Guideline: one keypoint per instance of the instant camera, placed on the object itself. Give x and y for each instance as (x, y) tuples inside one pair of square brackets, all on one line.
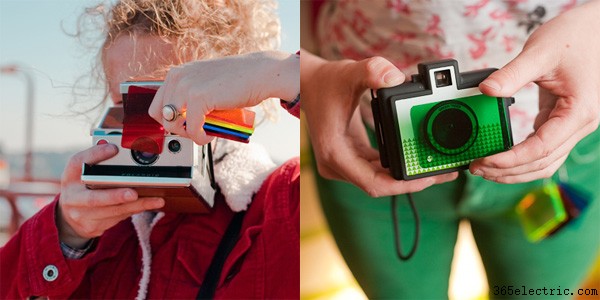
[(153, 162), (439, 121)]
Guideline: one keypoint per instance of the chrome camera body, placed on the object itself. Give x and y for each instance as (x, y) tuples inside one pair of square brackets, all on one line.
[(181, 172)]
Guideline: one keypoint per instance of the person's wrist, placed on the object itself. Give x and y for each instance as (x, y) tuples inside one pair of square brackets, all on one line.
[(66, 233), (285, 73)]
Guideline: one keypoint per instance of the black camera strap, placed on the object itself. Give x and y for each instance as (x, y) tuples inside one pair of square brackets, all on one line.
[(211, 168), (394, 198), (230, 238), (397, 239)]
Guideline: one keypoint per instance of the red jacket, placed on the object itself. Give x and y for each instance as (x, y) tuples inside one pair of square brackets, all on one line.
[(263, 264)]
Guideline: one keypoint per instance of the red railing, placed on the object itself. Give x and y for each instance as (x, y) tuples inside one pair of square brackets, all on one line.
[(22, 188)]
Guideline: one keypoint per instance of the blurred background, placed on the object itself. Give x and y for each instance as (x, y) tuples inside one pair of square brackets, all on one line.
[(41, 124)]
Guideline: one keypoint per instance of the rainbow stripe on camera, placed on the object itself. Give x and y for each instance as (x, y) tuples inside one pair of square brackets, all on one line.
[(233, 124)]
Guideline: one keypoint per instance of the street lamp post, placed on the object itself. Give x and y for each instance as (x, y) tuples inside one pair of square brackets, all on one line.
[(29, 113)]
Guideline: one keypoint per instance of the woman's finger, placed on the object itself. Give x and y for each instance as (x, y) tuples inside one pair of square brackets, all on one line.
[(125, 210), (526, 177), (156, 107), (557, 131), (534, 166), (102, 197)]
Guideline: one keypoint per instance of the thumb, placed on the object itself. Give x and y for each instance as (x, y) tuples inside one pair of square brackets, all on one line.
[(527, 67), (92, 155), (378, 72)]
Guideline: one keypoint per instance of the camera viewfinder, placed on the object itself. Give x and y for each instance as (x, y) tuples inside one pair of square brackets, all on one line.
[(442, 78)]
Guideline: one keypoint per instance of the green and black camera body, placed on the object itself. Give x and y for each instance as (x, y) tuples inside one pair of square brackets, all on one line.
[(439, 121)]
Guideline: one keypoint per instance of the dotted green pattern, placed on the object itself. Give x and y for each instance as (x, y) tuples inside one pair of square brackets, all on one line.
[(421, 158)]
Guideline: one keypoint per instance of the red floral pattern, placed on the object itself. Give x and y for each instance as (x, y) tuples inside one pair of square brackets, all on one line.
[(473, 10), (477, 33)]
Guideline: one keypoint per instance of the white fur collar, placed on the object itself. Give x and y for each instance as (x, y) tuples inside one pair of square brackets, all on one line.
[(143, 224), (240, 170)]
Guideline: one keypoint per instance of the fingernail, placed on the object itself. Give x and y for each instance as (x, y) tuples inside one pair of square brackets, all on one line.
[(130, 195), (158, 202), (393, 77), (478, 172), (492, 84), (111, 148)]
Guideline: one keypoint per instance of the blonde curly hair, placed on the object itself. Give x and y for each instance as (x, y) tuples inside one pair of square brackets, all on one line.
[(198, 29)]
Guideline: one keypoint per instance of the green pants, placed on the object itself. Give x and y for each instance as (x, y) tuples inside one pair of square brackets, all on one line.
[(362, 227)]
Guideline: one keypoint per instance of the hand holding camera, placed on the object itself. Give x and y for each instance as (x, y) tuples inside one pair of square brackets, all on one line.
[(439, 121), (82, 213), (331, 93), (199, 87), (559, 62), (154, 162)]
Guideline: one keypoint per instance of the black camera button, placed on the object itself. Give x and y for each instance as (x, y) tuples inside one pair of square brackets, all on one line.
[(174, 146)]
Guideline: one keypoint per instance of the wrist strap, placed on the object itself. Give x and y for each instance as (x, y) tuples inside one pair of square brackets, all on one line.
[(412, 251)]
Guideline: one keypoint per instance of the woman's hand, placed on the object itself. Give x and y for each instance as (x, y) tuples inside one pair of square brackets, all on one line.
[(330, 97), (563, 58), (230, 82), (84, 214)]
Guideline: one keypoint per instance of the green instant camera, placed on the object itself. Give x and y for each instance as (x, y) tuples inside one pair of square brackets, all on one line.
[(439, 121)]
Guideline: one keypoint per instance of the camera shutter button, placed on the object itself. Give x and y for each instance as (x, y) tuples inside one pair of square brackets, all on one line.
[(102, 142), (50, 273)]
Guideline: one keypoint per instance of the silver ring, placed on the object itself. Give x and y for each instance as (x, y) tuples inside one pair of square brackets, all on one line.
[(170, 113)]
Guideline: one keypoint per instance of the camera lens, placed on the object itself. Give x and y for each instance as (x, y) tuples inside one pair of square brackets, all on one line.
[(174, 146), (451, 127), (144, 158)]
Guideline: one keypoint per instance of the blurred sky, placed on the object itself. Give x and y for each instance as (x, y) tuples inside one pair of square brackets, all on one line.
[(32, 34)]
